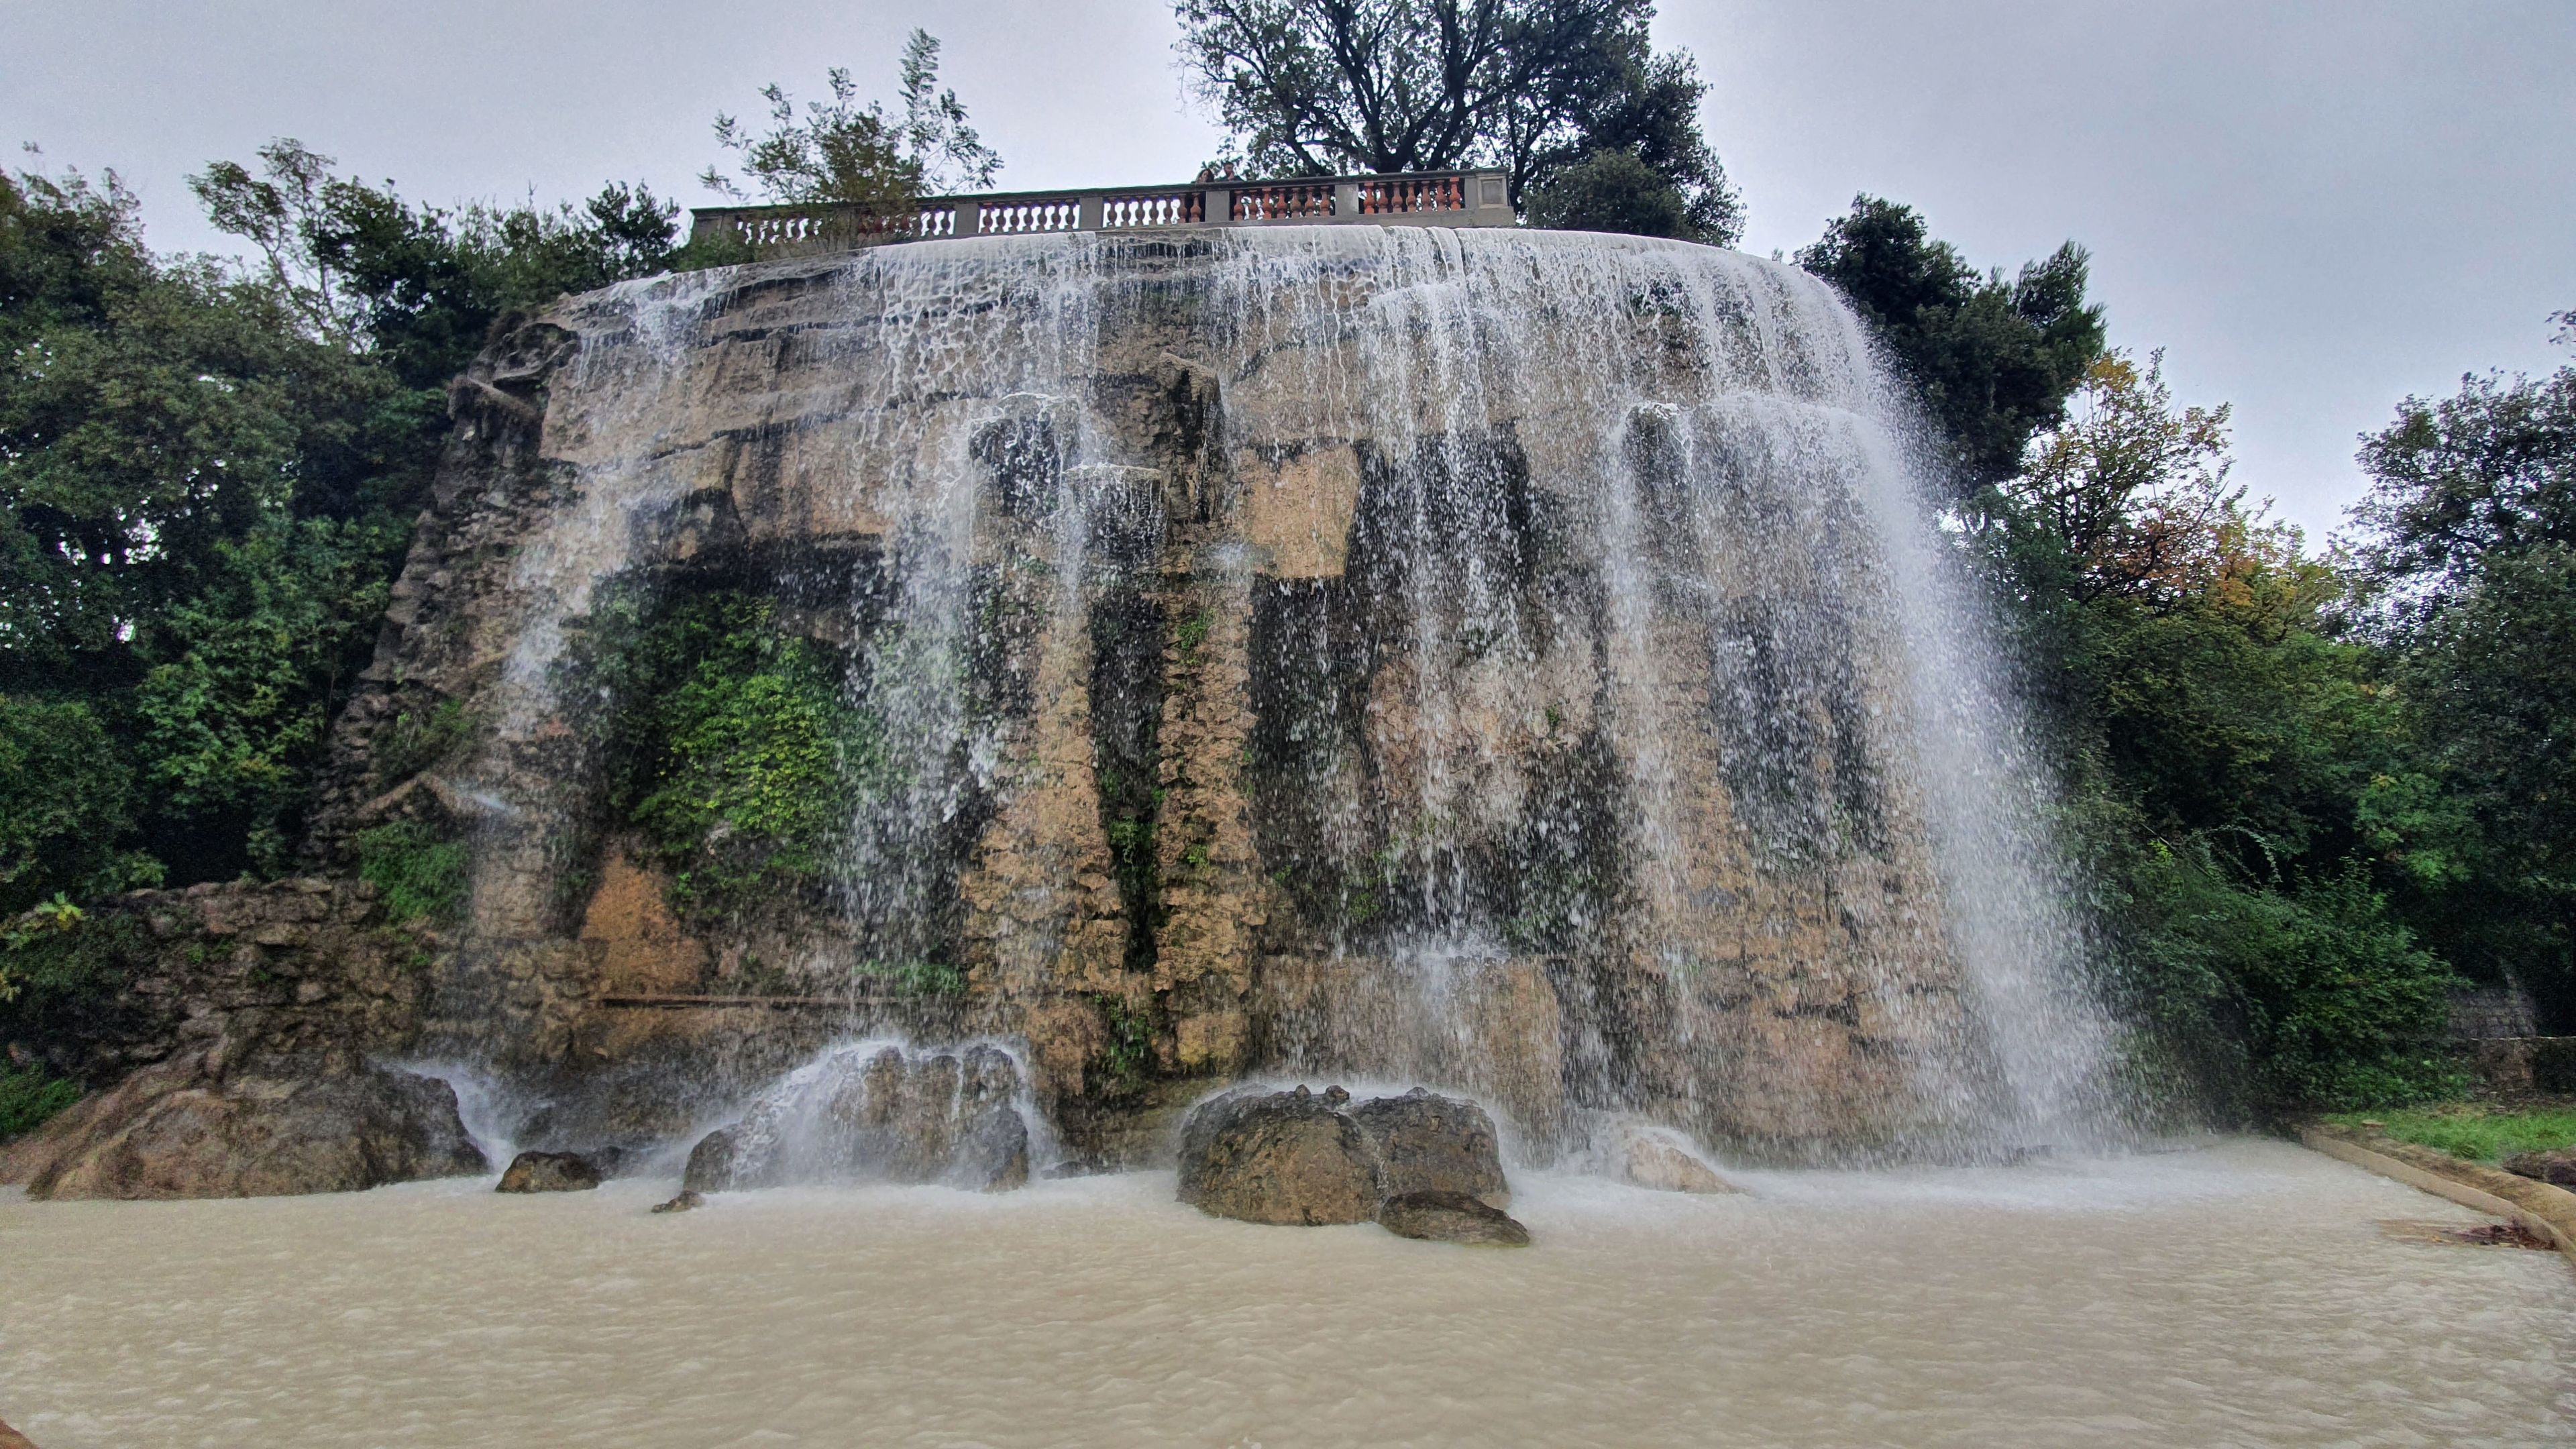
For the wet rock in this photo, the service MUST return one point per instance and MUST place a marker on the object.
(1451, 1217)
(1278, 1157)
(1429, 1143)
(2556, 1167)
(711, 1163)
(1652, 1157)
(687, 1201)
(187, 1129)
(549, 1172)
(12, 1439)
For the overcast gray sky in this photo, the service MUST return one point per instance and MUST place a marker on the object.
(2316, 208)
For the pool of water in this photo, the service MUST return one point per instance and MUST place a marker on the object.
(2237, 1293)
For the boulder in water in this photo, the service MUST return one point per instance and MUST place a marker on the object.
(1451, 1217)
(2556, 1167)
(687, 1200)
(189, 1128)
(1430, 1143)
(1651, 1157)
(12, 1439)
(711, 1163)
(549, 1172)
(1278, 1157)
(878, 1112)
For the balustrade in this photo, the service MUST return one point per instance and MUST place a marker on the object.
(1447, 198)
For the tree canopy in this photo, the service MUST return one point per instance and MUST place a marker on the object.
(1535, 87)
(1993, 360)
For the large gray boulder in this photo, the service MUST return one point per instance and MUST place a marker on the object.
(549, 1172)
(1429, 1143)
(193, 1128)
(1278, 1157)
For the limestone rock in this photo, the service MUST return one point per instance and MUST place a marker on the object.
(2557, 1168)
(12, 1439)
(711, 1163)
(549, 1172)
(688, 1200)
(1652, 1157)
(1278, 1157)
(1429, 1143)
(878, 1113)
(183, 1130)
(1451, 1217)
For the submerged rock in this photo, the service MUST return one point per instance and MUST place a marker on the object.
(1278, 1157)
(190, 1128)
(1652, 1157)
(1429, 1143)
(549, 1172)
(12, 1439)
(686, 1201)
(2556, 1167)
(1451, 1217)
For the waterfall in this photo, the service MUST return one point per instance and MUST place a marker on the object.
(1520, 662)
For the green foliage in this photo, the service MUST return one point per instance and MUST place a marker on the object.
(207, 478)
(1611, 191)
(1312, 87)
(67, 975)
(735, 749)
(65, 799)
(30, 1097)
(2468, 563)
(913, 978)
(2475, 1131)
(1994, 361)
(420, 875)
(1126, 1060)
(848, 154)
(416, 741)
(2305, 996)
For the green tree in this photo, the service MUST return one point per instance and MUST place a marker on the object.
(848, 154)
(1993, 360)
(2467, 549)
(1314, 87)
(2240, 780)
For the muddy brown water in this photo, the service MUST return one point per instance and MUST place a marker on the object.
(2236, 1293)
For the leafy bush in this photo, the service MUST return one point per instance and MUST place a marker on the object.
(735, 748)
(421, 874)
(2305, 997)
(1613, 191)
(30, 1097)
(65, 798)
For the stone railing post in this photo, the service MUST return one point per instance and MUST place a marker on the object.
(970, 218)
(1087, 215)
(1220, 206)
(1346, 199)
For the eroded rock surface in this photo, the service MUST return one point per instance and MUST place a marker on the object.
(1652, 1157)
(1430, 1143)
(1278, 1157)
(1451, 1217)
(878, 1112)
(193, 1128)
(549, 1172)
(2557, 1168)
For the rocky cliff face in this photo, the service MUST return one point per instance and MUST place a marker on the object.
(1490, 660)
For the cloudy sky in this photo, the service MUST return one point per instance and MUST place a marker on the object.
(2317, 208)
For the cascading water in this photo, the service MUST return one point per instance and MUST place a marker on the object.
(1514, 661)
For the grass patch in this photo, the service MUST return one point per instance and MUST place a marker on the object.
(2471, 1130)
